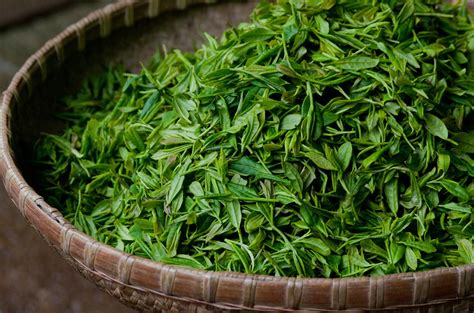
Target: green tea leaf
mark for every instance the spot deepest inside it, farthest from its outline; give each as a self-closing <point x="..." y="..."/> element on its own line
<point x="420" y="245"/>
<point x="247" y="166"/>
<point x="316" y="244"/>
<point x="344" y="155"/>
<point x="291" y="121"/>
<point x="465" y="250"/>
<point x="369" y="246"/>
<point x="182" y="260"/>
<point x="234" y="212"/>
<point x="65" y="146"/>
<point x="391" y="194"/>
<point x="455" y="189"/>
<point x="452" y="206"/>
<point x="465" y="141"/>
<point x="320" y="161"/>
<point x="257" y="34"/>
<point x="436" y="126"/>
<point x="177" y="182"/>
<point x="411" y="259"/>
<point x="356" y="63"/>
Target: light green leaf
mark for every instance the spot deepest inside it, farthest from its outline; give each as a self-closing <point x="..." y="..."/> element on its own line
<point x="356" y="63"/>
<point x="320" y="161"/>
<point x="411" y="259"/>
<point x="315" y="244"/>
<point x="391" y="194"/>
<point x="455" y="189"/>
<point x="291" y="121"/>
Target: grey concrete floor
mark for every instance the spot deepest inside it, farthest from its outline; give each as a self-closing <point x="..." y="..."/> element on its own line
<point x="34" y="278"/>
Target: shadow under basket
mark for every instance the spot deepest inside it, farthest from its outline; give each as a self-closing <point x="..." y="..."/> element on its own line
<point x="129" y="32"/>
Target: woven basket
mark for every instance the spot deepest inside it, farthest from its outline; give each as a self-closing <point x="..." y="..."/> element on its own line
<point x="133" y="32"/>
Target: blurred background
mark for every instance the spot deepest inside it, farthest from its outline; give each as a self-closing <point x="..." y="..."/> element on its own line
<point x="34" y="277"/>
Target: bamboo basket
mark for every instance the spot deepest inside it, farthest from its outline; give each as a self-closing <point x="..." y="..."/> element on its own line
<point x="129" y="31"/>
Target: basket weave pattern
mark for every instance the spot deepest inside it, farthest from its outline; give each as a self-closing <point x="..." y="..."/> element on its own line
<point x="152" y="286"/>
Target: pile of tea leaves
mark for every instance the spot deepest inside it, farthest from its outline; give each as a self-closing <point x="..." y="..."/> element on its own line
<point x="322" y="139"/>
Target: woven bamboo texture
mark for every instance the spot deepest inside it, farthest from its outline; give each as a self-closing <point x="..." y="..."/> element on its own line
<point x="154" y="287"/>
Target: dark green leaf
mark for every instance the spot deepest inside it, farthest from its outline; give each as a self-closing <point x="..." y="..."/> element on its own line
<point x="436" y="126"/>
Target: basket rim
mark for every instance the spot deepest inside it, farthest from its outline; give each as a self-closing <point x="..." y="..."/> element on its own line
<point x="65" y="237"/>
